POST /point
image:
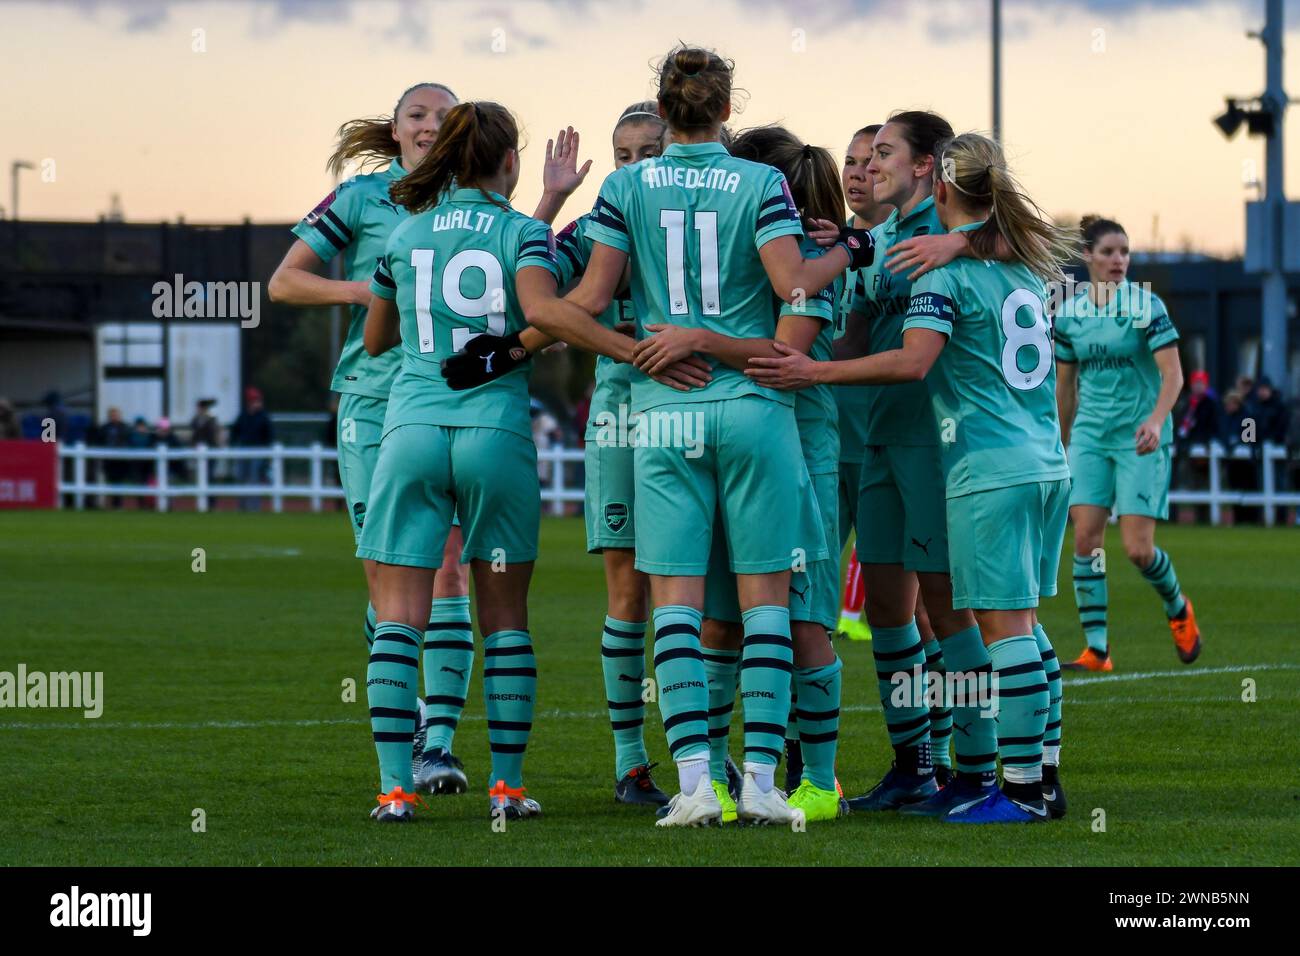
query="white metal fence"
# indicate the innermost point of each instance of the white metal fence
(558, 487)
(560, 484)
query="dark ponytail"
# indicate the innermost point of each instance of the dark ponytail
(471, 146)
(1094, 227)
(811, 172)
(923, 131)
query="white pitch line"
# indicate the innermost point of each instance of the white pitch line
(1187, 672)
(600, 714)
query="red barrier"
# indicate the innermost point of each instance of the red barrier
(29, 474)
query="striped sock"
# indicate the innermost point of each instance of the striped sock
(1090, 594)
(975, 737)
(683, 686)
(722, 670)
(622, 661)
(766, 662)
(391, 693)
(899, 659)
(1055, 693)
(791, 721)
(1022, 701)
(448, 662)
(372, 620)
(819, 721)
(940, 716)
(509, 696)
(1160, 575)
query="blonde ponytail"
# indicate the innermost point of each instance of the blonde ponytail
(977, 170)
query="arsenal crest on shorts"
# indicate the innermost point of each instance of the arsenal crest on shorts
(615, 516)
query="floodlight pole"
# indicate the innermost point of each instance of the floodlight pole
(1273, 328)
(997, 71)
(18, 166)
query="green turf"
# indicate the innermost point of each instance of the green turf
(223, 692)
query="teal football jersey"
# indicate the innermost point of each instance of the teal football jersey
(994, 385)
(613, 379)
(814, 408)
(852, 402)
(355, 220)
(692, 221)
(451, 270)
(896, 414)
(1115, 346)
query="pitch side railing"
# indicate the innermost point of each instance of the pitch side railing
(561, 478)
(560, 484)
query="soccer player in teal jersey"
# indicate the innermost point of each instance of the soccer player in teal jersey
(611, 531)
(464, 263)
(901, 532)
(851, 400)
(355, 222)
(983, 328)
(708, 237)
(1118, 376)
(813, 179)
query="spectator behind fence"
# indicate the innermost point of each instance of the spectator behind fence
(163, 436)
(1270, 413)
(205, 430)
(204, 427)
(10, 428)
(252, 429)
(1200, 419)
(140, 470)
(115, 433)
(55, 409)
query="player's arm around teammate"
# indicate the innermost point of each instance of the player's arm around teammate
(1118, 376)
(902, 533)
(464, 263)
(354, 222)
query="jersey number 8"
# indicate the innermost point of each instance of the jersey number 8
(490, 304)
(1037, 336)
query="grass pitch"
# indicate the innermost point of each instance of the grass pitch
(223, 693)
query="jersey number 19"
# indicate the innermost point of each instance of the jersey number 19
(490, 304)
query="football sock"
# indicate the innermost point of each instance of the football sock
(391, 694)
(448, 661)
(509, 696)
(975, 732)
(855, 594)
(622, 660)
(1160, 575)
(766, 662)
(722, 671)
(763, 773)
(898, 651)
(1090, 594)
(818, 715)
(941, 715)
(1052, 669)
(1022, 701)
(372, 620)
(683, 687)
(791, 721)
(689, 772)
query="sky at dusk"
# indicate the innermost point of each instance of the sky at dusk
(1107, 105)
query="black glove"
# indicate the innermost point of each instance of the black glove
(484, 358)
(859, 245)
